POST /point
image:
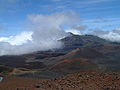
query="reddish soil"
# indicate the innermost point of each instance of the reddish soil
(112, 47)
(74, 65)
(19, 83)
(78, 81)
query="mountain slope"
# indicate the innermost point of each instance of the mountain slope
(90, 41)
(84, 53)
(91, 49)
(74, 65)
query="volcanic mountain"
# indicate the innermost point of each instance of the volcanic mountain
(88, 41)
(79, 53)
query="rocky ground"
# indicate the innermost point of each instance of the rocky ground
(77, 81)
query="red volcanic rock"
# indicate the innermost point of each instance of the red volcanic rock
(74, 65)
(83, 53)
(76, 81)
(112, 47)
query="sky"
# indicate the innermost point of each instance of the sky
(96, 14)
(22, 20)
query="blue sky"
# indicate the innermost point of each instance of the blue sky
(95, 14)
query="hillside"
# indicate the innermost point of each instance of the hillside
(77, 81)
(74, 65)
(94, 51)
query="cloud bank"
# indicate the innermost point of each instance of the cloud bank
(18, 39)
(45, 31)
(113, 35)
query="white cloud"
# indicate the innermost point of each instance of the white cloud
(3, 39)
(113, 35)
(18, 39)
(46, 31)
(74, 31)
